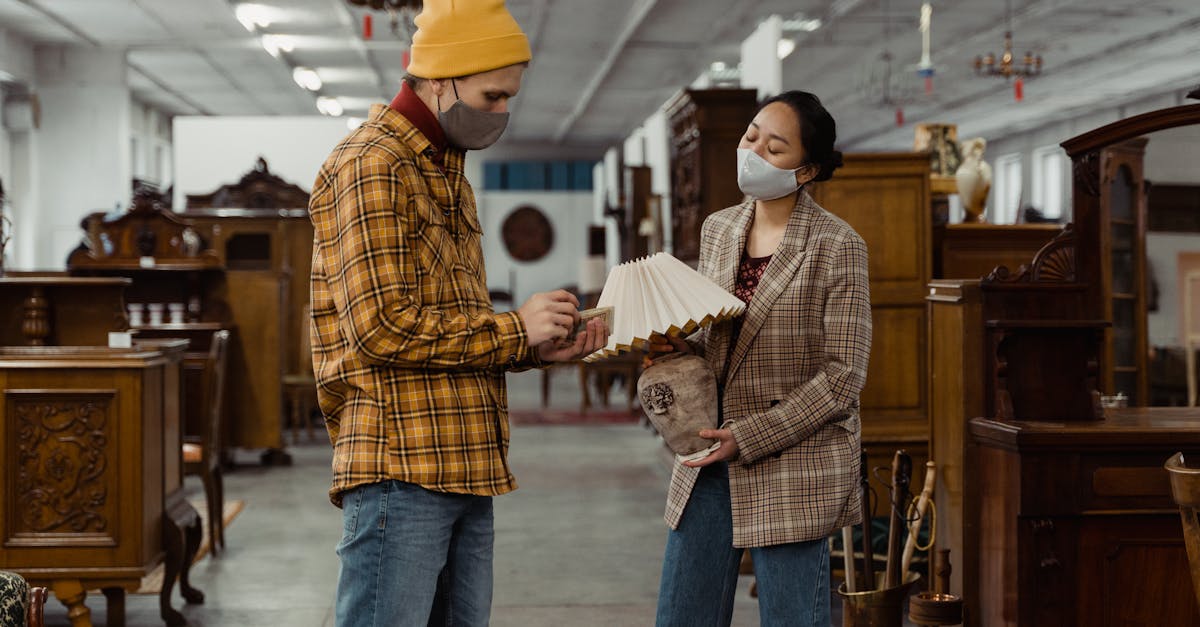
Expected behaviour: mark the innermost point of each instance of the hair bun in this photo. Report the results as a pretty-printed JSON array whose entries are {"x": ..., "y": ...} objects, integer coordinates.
[{"x": 835, "y": 160}]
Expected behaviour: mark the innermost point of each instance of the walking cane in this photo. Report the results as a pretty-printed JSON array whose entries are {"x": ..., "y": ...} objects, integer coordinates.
[
  {"x": 868, "y": 555},
  {"x": 914, "y": 528},
  {"x": 901, "y": 472}
]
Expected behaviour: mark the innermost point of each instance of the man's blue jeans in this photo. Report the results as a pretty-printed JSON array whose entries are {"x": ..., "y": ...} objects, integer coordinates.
[
  {"x": 396, "y": 539},
  {"x": 700, "y": 568}
]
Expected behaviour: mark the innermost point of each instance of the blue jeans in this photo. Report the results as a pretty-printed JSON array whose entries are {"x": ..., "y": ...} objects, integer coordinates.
[
  {"x": 397, "y": 539},
  {"x": 700, "y": 568}
]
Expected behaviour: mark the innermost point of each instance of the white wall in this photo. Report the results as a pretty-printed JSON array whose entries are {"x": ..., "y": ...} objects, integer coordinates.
[
  {"x": 151, "y": 149},
  {"x": 16, "y": 57},
  {"x": 80, "y": 154},
  {"x": 1055, "y": 133},
  {"x": 1162, "y": 253},
  {"x": 1173, "y": 156},
  {"x": 761, "y": 67},
  {"x": 569, "y": 213},
  {"x": 213, "y": 151}
]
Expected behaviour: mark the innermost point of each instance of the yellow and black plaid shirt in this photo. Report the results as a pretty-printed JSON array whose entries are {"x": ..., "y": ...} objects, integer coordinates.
[{"x": 408, "y": 354}]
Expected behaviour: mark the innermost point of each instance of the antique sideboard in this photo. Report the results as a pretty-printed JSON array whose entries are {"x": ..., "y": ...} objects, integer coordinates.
[{"x": 92, "y": 492}]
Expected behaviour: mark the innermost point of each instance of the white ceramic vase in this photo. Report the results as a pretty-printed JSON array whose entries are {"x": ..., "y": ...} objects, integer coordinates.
[{"x": 974, "y": 180}]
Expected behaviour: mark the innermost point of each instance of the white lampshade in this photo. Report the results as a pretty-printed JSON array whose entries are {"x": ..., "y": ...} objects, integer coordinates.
[{"x": 660, "y": 294}]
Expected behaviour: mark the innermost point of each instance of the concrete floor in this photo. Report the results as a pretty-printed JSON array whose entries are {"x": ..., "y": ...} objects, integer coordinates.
[{"x": 579, "y": 544}]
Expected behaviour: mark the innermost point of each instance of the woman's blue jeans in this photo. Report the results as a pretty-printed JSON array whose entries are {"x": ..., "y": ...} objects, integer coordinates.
[
  {"x": 700, "y": 568},
  {"x": 397, "y": 538}
]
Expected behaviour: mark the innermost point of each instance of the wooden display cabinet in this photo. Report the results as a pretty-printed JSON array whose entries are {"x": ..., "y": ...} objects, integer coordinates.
[
  {"x": 885, "y": 198},
  {"x": 973, "y": 250},
  {"x": 92, "y": 492},
  {"x": 54, "y": 309},
  {"x": 260, "y": 231},
  {"x": 164, "y": 262},
  {"x": 1077, "y": 526},
  {"x": 706, "y": 126}
]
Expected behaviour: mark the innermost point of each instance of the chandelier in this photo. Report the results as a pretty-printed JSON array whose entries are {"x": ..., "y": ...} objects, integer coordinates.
[
  {"x": 987, "y": 65},
  {"x": 1007, "y": 66}
]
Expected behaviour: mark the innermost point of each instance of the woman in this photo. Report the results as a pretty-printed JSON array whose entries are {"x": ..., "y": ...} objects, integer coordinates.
[{"x": 786, "y": 472}]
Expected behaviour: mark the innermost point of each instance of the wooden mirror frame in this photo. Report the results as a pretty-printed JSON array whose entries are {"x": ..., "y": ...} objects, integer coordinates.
[{"x": 1084, "y": 151}]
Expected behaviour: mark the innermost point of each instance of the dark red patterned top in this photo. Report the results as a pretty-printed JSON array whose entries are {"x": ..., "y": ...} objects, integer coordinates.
[{"x": 750, "y": 270}]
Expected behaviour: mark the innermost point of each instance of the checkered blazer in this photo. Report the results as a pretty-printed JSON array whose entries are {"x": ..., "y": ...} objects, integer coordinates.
[
  {"x": 409, "y": 356},
  {"x": 791, "y": 383}
]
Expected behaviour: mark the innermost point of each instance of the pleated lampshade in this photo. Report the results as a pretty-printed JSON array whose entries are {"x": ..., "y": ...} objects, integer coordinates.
[{"x": 660, "y": 294}]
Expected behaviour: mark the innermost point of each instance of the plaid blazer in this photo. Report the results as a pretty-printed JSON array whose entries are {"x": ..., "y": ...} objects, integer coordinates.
[
  {"x": 791, "y": 383},
  {"x": 408, "y": 355}
]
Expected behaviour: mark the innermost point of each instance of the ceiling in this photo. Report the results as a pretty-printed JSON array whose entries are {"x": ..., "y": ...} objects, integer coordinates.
[{"x": 600, "y": 68}]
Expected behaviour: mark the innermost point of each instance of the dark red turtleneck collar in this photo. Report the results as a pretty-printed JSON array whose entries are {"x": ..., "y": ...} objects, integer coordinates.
[{"x": 409, "y": 104}]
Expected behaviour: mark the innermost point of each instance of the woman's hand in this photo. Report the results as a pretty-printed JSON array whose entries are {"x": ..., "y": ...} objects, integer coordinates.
[
  {"x": 664, "y": 345},
  {"x": 590, "y": 340},
  {"x": 728, "y": 450}
]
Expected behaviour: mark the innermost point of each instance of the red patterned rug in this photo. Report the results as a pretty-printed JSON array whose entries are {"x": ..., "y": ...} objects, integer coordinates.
[{"x": 573, "y": 417}]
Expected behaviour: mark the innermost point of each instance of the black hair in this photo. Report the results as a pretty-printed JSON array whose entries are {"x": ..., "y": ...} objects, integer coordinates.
[{"x": 818, "y": 131}]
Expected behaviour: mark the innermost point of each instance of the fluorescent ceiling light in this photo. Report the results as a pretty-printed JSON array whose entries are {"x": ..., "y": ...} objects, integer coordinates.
[
  {"x": 329, "y": 106},
  {"x": 717, "y": 66},
  {"x": 253, "y": 16},
  {"x": 808, "y": 26},
  {"x": 785, "y": 47},
  {"x": 274, "y": 44},
  {"x": 307, "y": 78}
]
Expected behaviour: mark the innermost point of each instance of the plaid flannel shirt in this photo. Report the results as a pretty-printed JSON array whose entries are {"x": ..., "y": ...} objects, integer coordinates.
[{"x": 409, "y": 356}]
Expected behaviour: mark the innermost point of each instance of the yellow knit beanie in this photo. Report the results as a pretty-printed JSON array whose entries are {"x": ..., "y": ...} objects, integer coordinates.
[{"x": 462, "y": 37}]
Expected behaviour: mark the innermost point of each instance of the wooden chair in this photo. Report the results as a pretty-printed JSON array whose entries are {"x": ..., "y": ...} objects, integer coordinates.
[
  {"x": 1185, "y": 490},
  {"x": 203, "y": 458},
  {"x": 37, "y": 604},
  {"x": 300, "y": 387},
  {"x": 20, "y": 603}
]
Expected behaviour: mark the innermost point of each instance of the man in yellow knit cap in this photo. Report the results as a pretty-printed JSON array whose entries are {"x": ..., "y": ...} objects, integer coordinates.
[{"x": 409, "y": 355}]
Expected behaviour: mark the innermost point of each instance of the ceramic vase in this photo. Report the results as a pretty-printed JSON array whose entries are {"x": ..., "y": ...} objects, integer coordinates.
[
  {"x": 974, "y": 180},
  {"x": 679, "y": 396}
]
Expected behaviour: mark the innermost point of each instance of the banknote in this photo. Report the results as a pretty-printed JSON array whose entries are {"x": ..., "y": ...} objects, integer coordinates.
[{"x": 587, "y": 314}]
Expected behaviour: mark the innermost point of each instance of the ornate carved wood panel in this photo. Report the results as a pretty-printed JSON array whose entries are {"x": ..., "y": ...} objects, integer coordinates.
[{"x": 61, "y": 471}]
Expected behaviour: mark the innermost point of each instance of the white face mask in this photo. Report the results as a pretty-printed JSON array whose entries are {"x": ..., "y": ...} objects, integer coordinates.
[{"x": 756, "y": 177}]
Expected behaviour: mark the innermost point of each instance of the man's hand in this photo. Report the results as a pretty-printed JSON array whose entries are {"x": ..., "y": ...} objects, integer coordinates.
[
  {"x": 549, "y": 316},
  {"x": 727, "y": 451},
  {"x": 664, "y": 345},
  {"x": 591, "y": 339}
]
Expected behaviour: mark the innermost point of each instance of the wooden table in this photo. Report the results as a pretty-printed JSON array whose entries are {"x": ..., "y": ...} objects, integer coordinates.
[
  {"x": 92, "y": 486},
  {"x": 1076, "y": 524}
]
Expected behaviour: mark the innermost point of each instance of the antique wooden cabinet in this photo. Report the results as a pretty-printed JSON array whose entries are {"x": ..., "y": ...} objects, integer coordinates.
[
  {"x": 1065, "y": 507},
  {"x": 1076, "y": 522},
  {"x": 54, "y": 309},
  {"x": 973, "y": 250},
  {"x": 92, "y": 483},
  {"x": 165, "y": 264},
  {"x": 260, "y": 230},
  {"x": 706, "y": 125},
  {"x": 885, "y": 197}
]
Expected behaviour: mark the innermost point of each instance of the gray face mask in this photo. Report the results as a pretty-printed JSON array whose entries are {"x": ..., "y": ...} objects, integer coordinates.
[{"x": 469, "y": 128}]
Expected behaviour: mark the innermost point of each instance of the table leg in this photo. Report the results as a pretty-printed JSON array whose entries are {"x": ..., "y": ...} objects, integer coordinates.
[
  {"x": 116, "y": 606},
  {"x": 70, "y": 593},
  {"x": 181, "y": 535}
]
